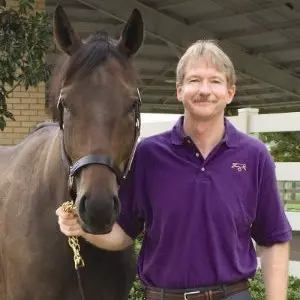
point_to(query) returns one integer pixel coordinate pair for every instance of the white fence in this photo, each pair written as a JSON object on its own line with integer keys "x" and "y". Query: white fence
{"x": 249, "y": 121}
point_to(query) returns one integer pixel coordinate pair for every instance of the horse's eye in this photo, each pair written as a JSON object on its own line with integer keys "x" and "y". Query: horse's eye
{"x": 64, "y": 105}
{"x": 132, "y": 107}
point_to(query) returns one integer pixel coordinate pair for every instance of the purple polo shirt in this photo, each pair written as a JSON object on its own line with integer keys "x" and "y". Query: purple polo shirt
{"x": 199, "y": 215}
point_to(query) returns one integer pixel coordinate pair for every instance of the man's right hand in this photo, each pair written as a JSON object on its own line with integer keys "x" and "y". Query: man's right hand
{"x": 68, "y": 223}
{"x": 116, "y": 240}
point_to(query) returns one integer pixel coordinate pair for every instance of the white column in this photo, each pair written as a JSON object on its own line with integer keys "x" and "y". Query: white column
{"x": 244, "y": 115}
{"x": 244, "y": 121}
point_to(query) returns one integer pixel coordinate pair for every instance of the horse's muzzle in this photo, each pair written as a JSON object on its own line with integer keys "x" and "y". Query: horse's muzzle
{"x": 97, "y": 215}
{"x": 88, "y": 229}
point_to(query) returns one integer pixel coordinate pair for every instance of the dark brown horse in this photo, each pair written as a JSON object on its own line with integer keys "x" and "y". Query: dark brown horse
{"x": 94, "y": 99}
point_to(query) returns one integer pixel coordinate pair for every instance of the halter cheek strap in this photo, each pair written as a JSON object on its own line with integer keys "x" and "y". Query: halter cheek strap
{"x": 60, "y": 109}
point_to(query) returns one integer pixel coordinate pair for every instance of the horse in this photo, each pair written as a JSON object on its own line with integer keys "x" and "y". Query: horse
{"x": 83, "y": 154}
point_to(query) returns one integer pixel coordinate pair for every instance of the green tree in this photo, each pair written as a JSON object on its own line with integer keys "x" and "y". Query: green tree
{"x": 284, "y": 146}
{"x": 25, "y": 37}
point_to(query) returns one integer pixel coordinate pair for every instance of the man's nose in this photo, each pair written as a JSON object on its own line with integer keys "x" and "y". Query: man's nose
{"x": 204, "y": 88}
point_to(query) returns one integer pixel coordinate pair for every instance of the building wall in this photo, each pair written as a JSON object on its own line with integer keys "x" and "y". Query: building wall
{"x": 28, "y": 106}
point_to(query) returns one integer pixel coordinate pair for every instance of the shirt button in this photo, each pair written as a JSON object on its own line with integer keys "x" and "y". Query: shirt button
{"x": 197, "y": 154}
{"x": 188, "y": 141}
{"x": 202, "y": 169}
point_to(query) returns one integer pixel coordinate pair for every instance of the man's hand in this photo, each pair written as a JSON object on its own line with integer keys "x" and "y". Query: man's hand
{"x": 68, "y": 223}
{"x": 116, "y": 240}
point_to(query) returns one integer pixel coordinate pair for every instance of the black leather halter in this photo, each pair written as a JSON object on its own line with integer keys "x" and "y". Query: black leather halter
{"x": 105, "y": 160}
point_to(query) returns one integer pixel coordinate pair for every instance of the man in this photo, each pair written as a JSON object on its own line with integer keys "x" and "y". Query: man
{"x": 200, "y": 192}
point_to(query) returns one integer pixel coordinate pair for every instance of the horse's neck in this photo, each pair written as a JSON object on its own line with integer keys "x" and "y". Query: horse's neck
{"x": 33, "y": 170}
{"x": 55, "y": 172}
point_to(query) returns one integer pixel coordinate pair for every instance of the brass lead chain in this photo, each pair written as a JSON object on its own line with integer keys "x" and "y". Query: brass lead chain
{"x": 69, "y": 207}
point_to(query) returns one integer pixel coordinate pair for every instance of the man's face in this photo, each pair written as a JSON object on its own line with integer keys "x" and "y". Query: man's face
{"x": 204, "y": 91}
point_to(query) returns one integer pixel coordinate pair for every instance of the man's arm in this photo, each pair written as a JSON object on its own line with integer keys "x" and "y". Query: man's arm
{"x": 271, "y": 230}
{"x": 116, "y": 240}
{"x": 275, "y": 262}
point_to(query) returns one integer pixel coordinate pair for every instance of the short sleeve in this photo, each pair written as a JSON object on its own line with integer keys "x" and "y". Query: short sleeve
{"x": 271, "y": 225}
{"x": 131, "y": 218}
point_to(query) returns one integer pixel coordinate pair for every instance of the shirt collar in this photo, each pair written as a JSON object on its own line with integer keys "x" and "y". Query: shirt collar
{"x": 231, "y": 136}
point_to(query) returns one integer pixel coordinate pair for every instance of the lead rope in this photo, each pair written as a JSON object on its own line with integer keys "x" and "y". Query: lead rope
{"x": 69, "y": 207}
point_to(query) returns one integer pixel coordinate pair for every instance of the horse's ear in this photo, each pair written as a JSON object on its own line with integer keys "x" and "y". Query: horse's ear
{"x": 132, "y": 35}
{"x": 64, "y": 35}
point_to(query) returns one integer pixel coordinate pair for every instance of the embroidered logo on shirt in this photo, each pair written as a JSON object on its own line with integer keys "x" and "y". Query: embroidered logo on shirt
{"x": 238, "y": 166}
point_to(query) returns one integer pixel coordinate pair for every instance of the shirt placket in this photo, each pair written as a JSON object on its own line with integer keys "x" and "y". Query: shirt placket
{"x": 203, "y": 163}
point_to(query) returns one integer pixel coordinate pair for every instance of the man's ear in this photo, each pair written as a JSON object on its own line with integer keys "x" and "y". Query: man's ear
{"x": 65, "y": 37}
{"x": 179, "y": 91}
{"x": 132, "y": 35}
{"x": 231, "y": 93}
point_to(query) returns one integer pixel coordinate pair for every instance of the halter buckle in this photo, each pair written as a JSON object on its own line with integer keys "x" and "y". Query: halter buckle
{"x": 71, "y": 181}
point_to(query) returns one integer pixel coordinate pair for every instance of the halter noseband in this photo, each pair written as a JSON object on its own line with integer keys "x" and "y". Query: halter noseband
{"x": 74, "y": 168}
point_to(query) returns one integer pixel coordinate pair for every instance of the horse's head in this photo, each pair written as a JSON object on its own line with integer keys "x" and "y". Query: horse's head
{"x": 98, "y": 108}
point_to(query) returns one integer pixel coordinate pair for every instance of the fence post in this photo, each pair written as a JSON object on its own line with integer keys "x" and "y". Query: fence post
{"x": 245, "y": 119}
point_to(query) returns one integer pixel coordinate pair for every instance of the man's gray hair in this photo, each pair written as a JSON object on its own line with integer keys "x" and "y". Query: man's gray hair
{"x": 214, "y": 56}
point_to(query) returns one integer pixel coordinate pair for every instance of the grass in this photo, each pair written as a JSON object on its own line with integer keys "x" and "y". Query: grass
{"x": 293, "y": 207}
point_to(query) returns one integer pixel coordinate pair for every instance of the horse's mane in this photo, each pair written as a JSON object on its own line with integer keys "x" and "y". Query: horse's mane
{"x": 98, "y": 49}
{"x": 43, "y": 125}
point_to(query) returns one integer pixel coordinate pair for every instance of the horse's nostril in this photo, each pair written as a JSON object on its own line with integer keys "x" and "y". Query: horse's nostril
{"x": 116, "y": 204}
{"x": 98, "y": 208}
{"x": 82, "y": 204}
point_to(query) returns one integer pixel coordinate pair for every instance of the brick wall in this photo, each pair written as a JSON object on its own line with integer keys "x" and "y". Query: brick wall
{"x": 28, "y": 106}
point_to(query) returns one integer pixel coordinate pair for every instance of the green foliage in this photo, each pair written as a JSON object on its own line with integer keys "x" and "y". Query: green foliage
{"x": 257, "y": 289}
{"x": 284, "y": 146}
{"x": 137, "y": 290}
{"x": 25, "y": 37}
